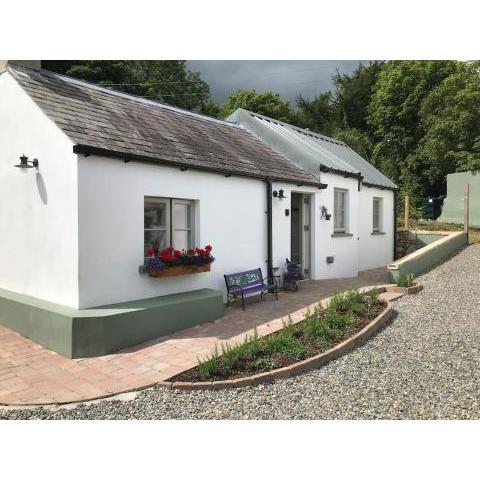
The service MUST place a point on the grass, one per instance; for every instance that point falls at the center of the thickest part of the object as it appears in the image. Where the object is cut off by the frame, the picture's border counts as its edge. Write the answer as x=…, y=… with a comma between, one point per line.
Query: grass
x=319, y=329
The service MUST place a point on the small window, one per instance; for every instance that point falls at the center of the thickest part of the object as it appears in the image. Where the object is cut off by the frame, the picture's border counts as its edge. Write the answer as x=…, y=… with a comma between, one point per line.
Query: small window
x=168, y=222
x=340, y=211
x=377, y=214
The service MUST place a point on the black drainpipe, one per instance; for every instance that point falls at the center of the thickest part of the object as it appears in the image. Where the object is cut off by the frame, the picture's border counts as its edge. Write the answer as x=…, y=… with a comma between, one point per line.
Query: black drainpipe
x=269, y=230
x=395, y=197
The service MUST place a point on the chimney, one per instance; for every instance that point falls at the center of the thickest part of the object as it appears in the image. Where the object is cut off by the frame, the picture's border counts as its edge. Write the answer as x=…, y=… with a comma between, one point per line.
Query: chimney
x=33, y=64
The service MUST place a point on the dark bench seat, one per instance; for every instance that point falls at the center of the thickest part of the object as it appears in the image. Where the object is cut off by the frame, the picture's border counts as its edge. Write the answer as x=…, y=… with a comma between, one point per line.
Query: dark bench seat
x=245, y=283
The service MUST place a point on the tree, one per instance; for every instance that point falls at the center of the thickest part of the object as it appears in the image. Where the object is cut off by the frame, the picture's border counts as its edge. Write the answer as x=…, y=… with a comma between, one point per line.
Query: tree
x=395, y=118
x=211, y=108
x=353, y=94
x=317, y=115
x=269, y=104
x=165, y=80
x=451, y=120
x=356, y=140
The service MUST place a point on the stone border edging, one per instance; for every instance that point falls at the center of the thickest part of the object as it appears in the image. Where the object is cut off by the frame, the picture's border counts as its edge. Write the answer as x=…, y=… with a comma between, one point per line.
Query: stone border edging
x=296, y=368
x=405, y=290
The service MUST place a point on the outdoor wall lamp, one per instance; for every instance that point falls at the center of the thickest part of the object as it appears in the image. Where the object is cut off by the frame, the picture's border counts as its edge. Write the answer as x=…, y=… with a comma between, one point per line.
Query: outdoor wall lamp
x=279, y=194
x=26, y=163
x=325, y=213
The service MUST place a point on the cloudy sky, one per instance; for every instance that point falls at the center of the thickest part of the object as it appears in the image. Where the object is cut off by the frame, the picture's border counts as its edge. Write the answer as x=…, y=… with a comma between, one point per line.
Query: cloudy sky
x=289, y=78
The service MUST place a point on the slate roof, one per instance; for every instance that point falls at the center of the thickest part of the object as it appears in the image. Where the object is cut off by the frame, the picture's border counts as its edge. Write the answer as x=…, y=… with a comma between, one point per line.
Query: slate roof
x=105, y=122
x=310, y=150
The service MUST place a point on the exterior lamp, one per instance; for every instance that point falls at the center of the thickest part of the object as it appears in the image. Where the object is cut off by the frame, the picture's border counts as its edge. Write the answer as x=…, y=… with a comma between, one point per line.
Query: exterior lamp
x=325, y=213
x=26, y=163
x=279, y=194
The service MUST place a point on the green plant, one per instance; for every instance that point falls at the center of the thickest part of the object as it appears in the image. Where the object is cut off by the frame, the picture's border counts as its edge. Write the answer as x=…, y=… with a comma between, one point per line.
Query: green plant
x=405, y=279
x=337, y=320
x=230, y=356
x=210, y=366
x=347, y=303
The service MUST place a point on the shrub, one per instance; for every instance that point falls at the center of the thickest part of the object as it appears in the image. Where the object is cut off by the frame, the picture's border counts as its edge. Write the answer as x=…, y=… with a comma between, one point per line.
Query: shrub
x=405, y=279
x=210, y=366
x=347, y=303
x=285, y=342
x=336, y=320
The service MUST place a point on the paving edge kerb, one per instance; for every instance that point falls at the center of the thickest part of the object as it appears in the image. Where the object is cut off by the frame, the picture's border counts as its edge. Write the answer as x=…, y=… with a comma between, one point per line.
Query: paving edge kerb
x=296, y=368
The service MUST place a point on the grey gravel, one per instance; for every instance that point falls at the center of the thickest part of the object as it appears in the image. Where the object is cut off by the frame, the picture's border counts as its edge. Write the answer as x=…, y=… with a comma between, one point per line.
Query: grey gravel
x=423, y=365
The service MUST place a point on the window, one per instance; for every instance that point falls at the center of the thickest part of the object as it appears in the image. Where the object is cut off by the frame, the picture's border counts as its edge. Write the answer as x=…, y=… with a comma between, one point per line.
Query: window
x=377, y=214
x=340, y=211
x=168, y=222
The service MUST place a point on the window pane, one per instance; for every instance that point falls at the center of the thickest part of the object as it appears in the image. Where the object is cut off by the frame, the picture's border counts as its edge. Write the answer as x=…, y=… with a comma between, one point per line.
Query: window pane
x=182, y=215
x=155, y=238
x=339, y=211
x=155, y=215
x=181, y=240
x=377, y=208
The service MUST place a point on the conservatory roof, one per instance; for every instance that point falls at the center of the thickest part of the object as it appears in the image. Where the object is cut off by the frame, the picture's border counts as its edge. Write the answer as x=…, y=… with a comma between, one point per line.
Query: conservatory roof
x=310, y=150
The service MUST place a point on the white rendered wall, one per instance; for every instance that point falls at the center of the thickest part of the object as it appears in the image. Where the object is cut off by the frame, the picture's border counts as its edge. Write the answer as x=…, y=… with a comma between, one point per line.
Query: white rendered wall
x=230, y=216
x=38, y=210
x=375, y=250
x=344, y=249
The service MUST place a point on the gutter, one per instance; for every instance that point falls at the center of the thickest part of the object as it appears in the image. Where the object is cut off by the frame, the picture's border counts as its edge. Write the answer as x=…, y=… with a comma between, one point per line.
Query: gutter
x=358, y=176
x=127, y=157
x=269, y=230
x=325, y=169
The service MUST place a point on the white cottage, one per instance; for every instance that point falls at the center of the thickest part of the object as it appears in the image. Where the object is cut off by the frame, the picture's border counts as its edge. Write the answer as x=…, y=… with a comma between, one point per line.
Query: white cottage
x=114, y=173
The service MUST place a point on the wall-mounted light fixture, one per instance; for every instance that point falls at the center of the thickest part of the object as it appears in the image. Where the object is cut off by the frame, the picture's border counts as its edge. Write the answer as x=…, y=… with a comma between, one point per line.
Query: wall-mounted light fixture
x=279, y=194
x=325, y=213
x=26, y=163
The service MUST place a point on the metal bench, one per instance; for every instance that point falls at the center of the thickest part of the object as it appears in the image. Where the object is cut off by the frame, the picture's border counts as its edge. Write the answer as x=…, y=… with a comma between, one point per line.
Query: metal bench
x=245, y=283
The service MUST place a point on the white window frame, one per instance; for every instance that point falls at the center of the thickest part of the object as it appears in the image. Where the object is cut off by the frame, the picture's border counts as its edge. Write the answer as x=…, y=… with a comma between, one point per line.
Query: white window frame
x=377, y=201
x=170, y=227
x=191, y=203
x=342, y=228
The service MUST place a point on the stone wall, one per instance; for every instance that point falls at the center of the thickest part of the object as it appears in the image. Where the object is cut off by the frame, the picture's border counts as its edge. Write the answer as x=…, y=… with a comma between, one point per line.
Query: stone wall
x=406, y=243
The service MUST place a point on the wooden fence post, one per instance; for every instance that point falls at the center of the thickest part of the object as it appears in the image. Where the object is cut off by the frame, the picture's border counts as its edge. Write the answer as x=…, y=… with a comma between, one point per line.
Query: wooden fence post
x=466, y=206
x=407, y=212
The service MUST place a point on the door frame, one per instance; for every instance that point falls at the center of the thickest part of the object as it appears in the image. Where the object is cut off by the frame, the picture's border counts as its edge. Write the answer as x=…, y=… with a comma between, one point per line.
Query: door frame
x=306, y=232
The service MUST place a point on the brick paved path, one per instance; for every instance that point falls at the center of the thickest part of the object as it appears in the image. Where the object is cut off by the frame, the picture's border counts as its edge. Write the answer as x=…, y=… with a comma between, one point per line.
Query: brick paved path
x=31, y=374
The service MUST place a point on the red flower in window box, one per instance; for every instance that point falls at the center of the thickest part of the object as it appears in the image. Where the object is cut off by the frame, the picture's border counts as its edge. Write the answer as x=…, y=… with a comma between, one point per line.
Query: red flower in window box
x=150, y=252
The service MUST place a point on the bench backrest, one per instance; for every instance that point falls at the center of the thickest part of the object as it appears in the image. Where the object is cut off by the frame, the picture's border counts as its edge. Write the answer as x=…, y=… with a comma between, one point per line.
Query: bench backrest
x=242, y=279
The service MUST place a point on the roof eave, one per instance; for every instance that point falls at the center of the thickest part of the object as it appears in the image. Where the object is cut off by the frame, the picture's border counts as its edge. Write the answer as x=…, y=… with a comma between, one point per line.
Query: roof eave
x=381, y=187
x=127, y=157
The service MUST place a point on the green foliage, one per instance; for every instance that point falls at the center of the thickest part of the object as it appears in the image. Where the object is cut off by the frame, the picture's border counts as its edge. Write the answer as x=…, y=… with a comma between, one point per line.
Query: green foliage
x=320, y=328
x=209, y=367
x=317, y=115
x=405, y=279
x=396, y=120
x=268, y=103
x=166, y=80
x=349, y=303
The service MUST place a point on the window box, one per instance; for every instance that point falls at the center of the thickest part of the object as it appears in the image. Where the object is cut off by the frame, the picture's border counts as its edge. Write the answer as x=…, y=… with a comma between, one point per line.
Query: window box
x=179, y=270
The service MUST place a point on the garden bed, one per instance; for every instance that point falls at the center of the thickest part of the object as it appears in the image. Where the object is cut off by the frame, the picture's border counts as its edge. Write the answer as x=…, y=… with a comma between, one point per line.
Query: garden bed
x=322, y=329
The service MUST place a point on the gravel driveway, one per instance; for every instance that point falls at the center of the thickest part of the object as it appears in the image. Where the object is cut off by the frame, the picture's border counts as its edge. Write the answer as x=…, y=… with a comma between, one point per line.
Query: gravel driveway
x=424, y=365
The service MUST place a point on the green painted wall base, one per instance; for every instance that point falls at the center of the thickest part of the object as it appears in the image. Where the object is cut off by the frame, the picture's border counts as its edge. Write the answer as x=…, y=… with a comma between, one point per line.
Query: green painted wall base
x=428, y=257
x=102, y=330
